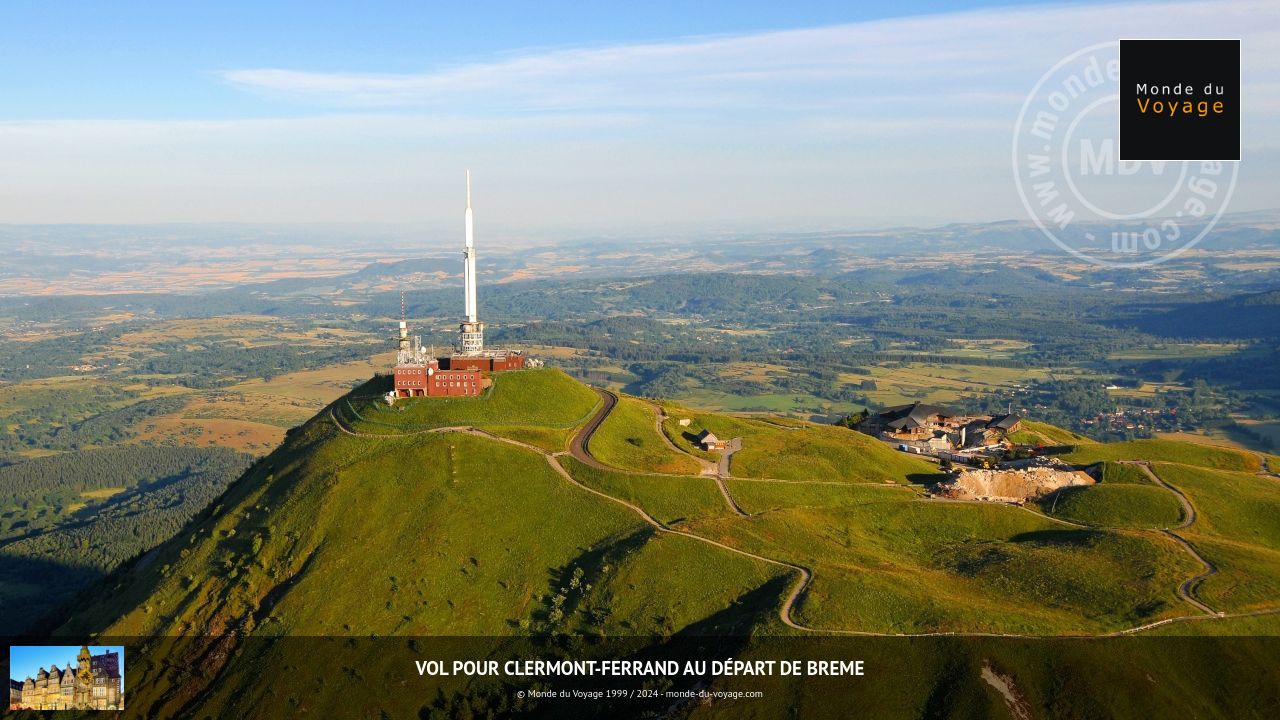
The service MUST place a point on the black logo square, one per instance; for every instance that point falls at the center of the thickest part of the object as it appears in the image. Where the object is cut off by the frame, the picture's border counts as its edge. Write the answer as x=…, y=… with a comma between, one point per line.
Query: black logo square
x=1179, y=99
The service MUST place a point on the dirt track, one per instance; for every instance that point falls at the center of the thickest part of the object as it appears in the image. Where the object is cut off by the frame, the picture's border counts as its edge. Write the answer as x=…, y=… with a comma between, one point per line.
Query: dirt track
x=1188, y=586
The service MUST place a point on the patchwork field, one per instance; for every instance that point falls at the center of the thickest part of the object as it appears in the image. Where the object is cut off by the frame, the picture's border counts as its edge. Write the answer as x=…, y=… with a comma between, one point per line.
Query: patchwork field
x=244, y=435
x=899, y=383
x=1177, y=351
x=767, y=403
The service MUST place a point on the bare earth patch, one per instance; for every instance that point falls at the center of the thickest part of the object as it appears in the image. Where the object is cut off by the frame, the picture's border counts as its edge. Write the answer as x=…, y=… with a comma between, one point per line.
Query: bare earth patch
x=1012, y=486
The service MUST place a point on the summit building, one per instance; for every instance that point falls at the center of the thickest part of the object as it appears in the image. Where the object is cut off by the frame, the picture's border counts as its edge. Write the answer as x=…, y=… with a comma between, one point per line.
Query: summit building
x=419, y=373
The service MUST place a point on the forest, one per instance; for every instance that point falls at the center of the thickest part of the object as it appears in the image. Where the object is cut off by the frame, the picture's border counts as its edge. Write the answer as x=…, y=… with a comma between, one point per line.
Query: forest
x=68, y=519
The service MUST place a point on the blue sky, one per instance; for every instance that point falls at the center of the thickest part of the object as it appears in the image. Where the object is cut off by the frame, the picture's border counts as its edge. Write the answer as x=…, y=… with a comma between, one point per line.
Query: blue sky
x=139, y=60
x=26, y=660
x=575, y=118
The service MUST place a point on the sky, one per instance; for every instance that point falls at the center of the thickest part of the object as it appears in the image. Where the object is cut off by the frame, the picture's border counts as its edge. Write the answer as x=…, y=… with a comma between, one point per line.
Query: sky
x=26, y=660
x=574, y=118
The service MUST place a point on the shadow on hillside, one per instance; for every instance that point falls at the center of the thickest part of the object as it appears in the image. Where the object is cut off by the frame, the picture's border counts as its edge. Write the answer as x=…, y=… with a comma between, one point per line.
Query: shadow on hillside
x=570, y=581
x=1075, y=538
x=35, y=591
x=926, y=478
x=744, y=614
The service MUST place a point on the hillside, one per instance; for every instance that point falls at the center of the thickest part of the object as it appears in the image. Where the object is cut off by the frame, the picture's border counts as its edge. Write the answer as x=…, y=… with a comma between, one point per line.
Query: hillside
x=493, y=517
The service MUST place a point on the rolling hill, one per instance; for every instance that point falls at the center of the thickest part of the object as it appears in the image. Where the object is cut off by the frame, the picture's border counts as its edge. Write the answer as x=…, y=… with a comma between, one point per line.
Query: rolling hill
x=375, y=531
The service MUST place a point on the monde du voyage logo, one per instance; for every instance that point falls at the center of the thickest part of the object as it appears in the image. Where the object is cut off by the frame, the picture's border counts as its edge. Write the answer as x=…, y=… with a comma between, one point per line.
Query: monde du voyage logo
x=1125, y=152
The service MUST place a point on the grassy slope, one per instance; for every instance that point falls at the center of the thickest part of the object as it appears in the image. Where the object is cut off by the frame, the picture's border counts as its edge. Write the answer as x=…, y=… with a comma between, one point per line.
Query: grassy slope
x=628, y=439
x=1166, y=451
x=544, y=398
x=425, y=567
x=549, y=439
x=668, y=499
x=1116, y=505
x=757, y=496
x=1033, y=433
x=809, y=452
x=1114, y=473
x=883, y=560
x=1238, y=529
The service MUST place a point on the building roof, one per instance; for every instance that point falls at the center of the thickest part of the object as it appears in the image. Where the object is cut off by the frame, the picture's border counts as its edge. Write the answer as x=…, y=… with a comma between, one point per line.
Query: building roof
x=706, y=436
x=914, y=415
x=1004, y=422
x=106, y=665
x=14, y=684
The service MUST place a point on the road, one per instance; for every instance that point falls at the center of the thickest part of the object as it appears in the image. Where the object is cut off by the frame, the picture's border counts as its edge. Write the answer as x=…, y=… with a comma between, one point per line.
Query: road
x=803, y=575
x=581, y=439
x=731, y=447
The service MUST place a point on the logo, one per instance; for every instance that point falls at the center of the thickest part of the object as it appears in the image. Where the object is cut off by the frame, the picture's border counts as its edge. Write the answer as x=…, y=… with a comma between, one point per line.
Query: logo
x=1082, y=196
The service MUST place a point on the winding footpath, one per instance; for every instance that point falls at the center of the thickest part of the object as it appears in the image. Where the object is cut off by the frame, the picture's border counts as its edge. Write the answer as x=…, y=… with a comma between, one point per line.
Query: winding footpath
x=579, y=449
x=1188, y=586
x=719, y=471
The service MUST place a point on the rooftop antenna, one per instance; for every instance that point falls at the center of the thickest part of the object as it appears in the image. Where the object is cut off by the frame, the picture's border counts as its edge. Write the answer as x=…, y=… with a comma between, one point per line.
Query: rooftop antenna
x=404, y=334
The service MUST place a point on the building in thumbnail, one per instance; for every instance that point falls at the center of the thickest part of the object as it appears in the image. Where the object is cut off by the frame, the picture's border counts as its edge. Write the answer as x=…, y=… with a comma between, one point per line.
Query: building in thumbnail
x=93, y=682
x=419, y=373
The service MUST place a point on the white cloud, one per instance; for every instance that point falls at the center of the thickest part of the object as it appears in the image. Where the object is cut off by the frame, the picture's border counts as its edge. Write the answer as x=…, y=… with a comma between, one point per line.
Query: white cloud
x=962, y=55
x=896, y=119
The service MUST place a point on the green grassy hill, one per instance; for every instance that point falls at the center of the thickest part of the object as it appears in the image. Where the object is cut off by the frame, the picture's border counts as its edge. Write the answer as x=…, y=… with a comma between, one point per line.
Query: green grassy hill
x=1118, y=505
x=539, y=406
x=399, y=531
x=627, y=440
x=355, y=535
x=1168, y=451
x=798, y=450
x=1238, y=529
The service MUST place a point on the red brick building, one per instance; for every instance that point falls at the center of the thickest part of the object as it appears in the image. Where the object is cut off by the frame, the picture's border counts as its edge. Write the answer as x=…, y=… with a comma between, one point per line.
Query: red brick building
x=490, y=361
x=428, y=380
